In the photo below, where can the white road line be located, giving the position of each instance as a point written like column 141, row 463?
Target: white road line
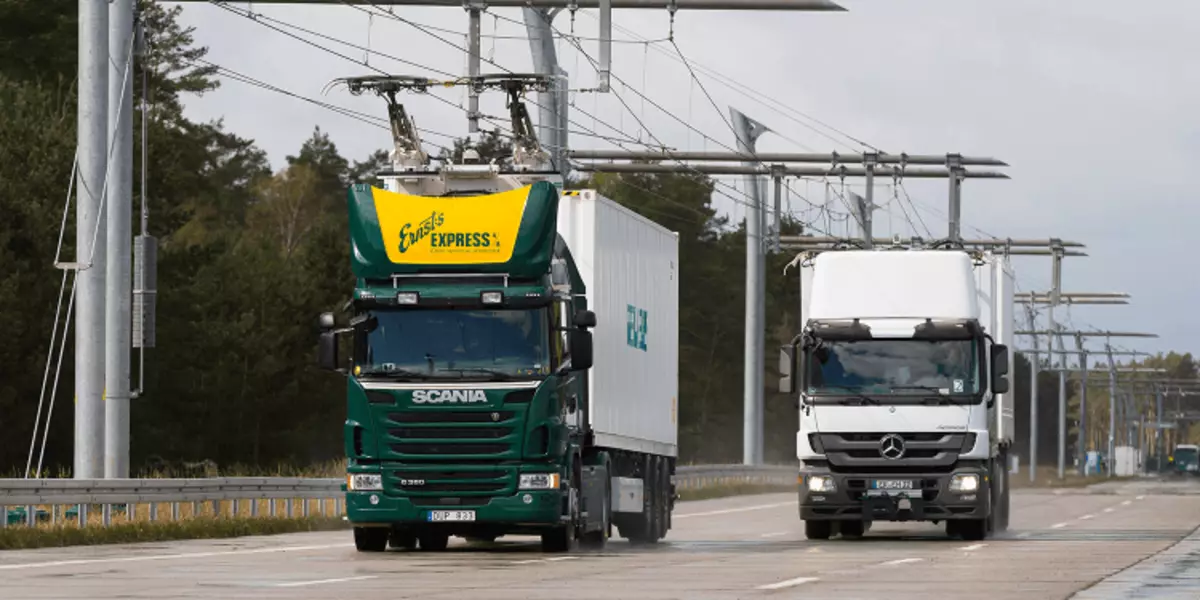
column 972, row 547
column 562, row 558
column 734, row 510
column 1127, row 503
column 534, row 561
column 1109, row 509
column 1141, row 497
column 527, row 562
column 902, row 561
column 1058, row 526
column 788, row 583
column 320, row 581
column 152, row 557
column 1086, row 517
column 776, row 534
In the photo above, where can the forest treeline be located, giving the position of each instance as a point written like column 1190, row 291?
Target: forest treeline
column 251, row 252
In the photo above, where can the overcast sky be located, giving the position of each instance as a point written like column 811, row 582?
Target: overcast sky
column 1092, row 103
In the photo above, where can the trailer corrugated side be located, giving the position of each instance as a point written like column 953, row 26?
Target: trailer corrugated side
column 630, row 266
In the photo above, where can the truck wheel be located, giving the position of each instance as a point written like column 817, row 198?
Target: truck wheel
column 434, row 542
column 851, row 529
column 484, row 539
column 595, row 540
column 402, row 540
column 371, row 539
column 818, row 530
column 559, row 539
column 971, row 529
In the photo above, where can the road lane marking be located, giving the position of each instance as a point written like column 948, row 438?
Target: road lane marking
column 1058, row 526
column 1109, row 509
column 562, row 558
column 771, row 535
column 152, row 557
column 1141, row 497
column 727, row 511
column 320, row 581
column 534, row 561
column 972, row 547
column 902, row 561
column 1127, row 503
column 788, row 583
column 1086, row 517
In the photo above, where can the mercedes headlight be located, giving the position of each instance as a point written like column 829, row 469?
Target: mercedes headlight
column 538, row 481
column 965, row 483
column 364, row 482
column 821, row 483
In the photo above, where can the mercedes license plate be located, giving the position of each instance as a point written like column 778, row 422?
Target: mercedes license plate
column 451, row 515
column 892, row 484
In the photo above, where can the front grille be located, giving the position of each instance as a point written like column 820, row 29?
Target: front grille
column 923, row 451
column 426, row 435
column 449, row 433
column 427, row 416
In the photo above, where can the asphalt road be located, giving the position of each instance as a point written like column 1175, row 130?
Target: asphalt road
column 1135, row 540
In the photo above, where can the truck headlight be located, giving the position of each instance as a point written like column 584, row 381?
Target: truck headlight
column 965, row 483
column 409, row 298
column 538, row 481
column 364, row 482
column 491, row 297
column 821, row 483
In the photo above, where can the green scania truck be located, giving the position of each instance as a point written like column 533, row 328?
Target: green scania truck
column 511, row 362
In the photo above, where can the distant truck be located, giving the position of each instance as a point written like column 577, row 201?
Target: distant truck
column 513, row 365
column 901, row 369
column 1186, row 459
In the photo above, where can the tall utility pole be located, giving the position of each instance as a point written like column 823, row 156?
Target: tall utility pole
column 954, row 164
column 1081, row 435
column 1112, row 406
column 1033, row 399
column 748, row 131
column 118, row 297
column 1056, row 289
column 90, row 239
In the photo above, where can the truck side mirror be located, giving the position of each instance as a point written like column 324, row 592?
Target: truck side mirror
column 581, row 350
column 585, row 319
column 327, row 351
column 787, row 366
column 999, row 369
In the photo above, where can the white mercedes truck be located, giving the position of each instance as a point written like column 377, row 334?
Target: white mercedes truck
column 901, row 374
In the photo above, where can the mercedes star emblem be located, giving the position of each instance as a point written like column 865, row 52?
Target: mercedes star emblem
column 891, row 446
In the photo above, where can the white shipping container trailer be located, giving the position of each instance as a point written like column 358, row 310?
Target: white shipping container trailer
column 995, row 283
column 630, row 267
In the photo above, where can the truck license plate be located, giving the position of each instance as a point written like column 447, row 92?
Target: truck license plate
column 892, row 484
column 451, row 515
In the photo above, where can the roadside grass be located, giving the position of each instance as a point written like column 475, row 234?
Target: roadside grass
column 67, row 534
column 1047, row 478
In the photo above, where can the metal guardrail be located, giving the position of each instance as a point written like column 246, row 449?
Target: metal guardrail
column 75, row 497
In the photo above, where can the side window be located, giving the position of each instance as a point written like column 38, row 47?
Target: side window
column 558, row 338
column 565, row 326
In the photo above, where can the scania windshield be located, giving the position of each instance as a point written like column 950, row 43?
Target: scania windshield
column 454, row 344
column 901, row 370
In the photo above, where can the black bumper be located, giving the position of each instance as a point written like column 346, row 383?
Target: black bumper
column 930, row 500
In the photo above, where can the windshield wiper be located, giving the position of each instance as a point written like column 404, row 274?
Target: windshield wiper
column 926, row 388
column 495, row 375
column 384, row 372
column 859, row 400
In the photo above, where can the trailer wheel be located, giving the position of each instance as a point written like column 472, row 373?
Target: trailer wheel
column 371, row 539
column 818, row 530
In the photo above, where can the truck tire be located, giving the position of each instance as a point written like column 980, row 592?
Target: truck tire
column 818, row 530
column 851, row 529
column 560, row 539
column 596, row 540
column 971, row 530
column 371, row 539
column 434, row 542
column 646, row 529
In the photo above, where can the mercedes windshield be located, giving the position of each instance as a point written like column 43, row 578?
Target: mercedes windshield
column 900, row 370
column 454, row 344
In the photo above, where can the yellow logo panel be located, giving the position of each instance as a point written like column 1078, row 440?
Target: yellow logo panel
column 448, row 231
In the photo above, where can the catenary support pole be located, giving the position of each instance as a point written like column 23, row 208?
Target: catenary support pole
column 118, row 292
column 90, row 239
column 1112, row 407
column 747, row 132
column 1081, row 437
column 954, row 164
column 1055, row 291
column 474, row 16
column 1033, row 399
column 867, row 212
